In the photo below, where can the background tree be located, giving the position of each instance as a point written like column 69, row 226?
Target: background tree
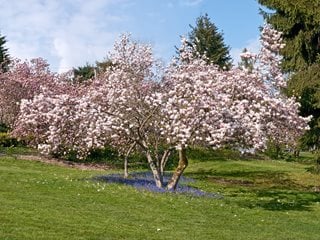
column 87, row 72
column 24, row 80
column 306, row 85
column 299, row 21
column 209, row 41
column 4, row 55
column 103, row 65
column 84, row 73
column 4, row 62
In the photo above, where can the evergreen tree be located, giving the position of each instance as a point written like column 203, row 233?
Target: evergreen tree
column 305, row 84
column 208, row 41
column 84, row 73
column 4, row 55
column 299, row 20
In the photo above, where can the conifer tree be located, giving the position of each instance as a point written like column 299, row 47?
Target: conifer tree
column 209, row 41
column 4, row 55
column 299, row 20
column 83, row 73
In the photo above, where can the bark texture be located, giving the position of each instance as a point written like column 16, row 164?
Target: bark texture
column 183, row 163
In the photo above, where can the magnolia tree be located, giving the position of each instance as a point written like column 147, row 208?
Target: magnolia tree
column 61, row 124
column 131, row 106
column 102, row 114
column 240, row 107
column 24, row 80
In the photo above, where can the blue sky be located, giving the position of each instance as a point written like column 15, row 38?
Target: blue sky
column 70, row 33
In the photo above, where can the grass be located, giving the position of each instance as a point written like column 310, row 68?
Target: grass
column 262, row 200
column 16, row 151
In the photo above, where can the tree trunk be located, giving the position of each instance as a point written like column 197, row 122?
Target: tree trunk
column 158, row 178
column 125, row 167
column 183, row 163
column 164, row 160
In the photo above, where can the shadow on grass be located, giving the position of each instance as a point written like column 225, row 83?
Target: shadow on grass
column 270, row 190
column 145, row 181
column 283, row 200
column 256, row 178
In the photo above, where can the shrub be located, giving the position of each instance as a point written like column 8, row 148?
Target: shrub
column 3, row 128
column 7, row 141
column 274, row 150
column 204, row 154
column 103, row 154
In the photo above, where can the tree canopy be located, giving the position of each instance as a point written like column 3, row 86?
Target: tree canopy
column 299, row 22
column 208, row 41
column 4, row 55
column 306, row 85
column 83, row 73
column 86, row 72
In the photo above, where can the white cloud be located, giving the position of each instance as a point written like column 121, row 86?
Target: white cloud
column 84, row 38
column 68, row 33
column 252, row 45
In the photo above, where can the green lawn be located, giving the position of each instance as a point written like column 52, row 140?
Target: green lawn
column 262, row 200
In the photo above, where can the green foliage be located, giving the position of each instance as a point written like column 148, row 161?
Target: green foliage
column 82, row 74
column 103, row 65
column 208, row 41
column 299, row 21
column 4, row 55
column 3, row 128
column 107, row 154
column 305, row 85
column 208, row 154
column 7, row 141
column 87, row 72
column 274, row 150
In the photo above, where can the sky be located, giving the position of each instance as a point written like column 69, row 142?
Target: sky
column 71, row 33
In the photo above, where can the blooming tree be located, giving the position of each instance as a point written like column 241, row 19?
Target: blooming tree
column 131, row 106
column 240, row 107
column 24, row 80
column 61, row 124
